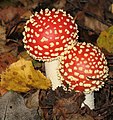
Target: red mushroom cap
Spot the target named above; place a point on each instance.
(49, 33)
(84, 68)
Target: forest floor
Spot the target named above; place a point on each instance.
(92, 17)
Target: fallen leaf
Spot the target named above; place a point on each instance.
(12, 107)
(95, 7)
(24, 55)
(90, 22)
(29, 4)
(92, 16)
(5, 60)
(33, 100)
(2, 34)
(12, 12)
(3, 40)
(105, 40)
(80, 117)
(2, 91)
(94, 24)
(59, 4)
(26, 15)
(68, 106)
(21, 76)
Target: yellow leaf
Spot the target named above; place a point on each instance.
(105, 40)
(21, 76)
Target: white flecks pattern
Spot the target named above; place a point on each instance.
(88, 65)
(49, 31)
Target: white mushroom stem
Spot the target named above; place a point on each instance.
(51, 73)
(89, 100)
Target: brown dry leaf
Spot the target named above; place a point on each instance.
(24, 55)
(3, 41)
(59, 4)
(68, 106)
(79, 117)
(111, 74)
(26, 14)
(2, 91)
(33, 100)
(25, 2)
(94, 24)
(29, 4)
(91, 22)
(4, 49)
(95, 7)
(5, 60)
(21, 76)
(2, 34)
(92, 16)
(12, 13)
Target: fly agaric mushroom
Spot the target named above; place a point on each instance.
(84, 69)
(48, 35)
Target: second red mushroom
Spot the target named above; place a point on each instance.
(84, 69)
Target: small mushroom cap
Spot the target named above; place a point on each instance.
(83, 68)
(49, 33)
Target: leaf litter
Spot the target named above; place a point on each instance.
(93, 17)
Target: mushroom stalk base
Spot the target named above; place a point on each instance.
(89, 100)
(51, 69)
